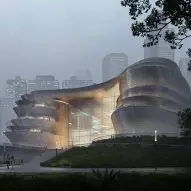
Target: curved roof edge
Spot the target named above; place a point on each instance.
(162, 61)
(85, 88)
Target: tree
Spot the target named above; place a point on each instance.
(184, 120)
(151, 18)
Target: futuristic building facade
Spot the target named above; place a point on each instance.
(144, 98)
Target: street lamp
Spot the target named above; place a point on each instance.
(4, 151)
(156, 148)
(155, 135)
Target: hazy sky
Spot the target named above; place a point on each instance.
(60, 36)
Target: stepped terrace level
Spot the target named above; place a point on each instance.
(144, 98)
(65, 117)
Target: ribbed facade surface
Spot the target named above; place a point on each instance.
(144, 98)
(153, 91)
(35, 123)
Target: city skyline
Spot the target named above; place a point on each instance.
(81, 77)
(18, 86)
(35, 42)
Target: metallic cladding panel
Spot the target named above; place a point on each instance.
(33, 123)
(158, 76)
(145, 120)
(159, 102)
(154, 91)
(28, 110)
(30, 138)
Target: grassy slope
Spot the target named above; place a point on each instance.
(118, 156)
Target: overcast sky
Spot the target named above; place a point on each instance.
(60, 36)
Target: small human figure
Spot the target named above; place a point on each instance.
(56, 152)
(12, 161)
(8, 161)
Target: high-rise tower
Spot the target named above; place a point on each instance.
(113, 64)
(162, 49)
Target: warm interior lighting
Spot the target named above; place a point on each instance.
(35, 130)
(61, 101)
(40, 105)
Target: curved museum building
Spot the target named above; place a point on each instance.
(144, 98)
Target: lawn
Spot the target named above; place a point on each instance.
(118, 156)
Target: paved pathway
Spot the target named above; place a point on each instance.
(23, 169)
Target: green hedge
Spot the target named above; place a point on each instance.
(149, 140)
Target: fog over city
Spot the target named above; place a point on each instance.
(81, 98)
(58, 37)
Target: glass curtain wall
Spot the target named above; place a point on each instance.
(93, 121)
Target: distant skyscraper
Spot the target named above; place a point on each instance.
(7, 113)
(113, 64)
(162, 49)
(74, 82)
(183, 65)
(81, 79)
(83, 75)
(46, 82)
(71, 83)
(16, 87)
(31, 86)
